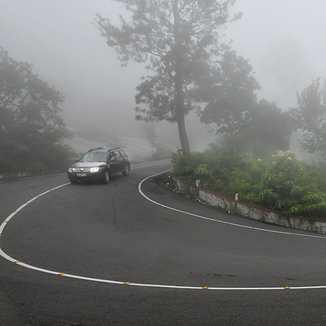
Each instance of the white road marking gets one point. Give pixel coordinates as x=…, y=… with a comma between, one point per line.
x=220, y=221
x=180, y=287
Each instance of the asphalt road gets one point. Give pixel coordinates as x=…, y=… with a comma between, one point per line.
x=93, y=254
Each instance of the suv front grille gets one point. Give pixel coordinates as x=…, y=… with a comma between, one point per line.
x=81, y=169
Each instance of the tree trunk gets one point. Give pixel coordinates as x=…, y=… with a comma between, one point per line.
x=183, y=135
x=178, y=81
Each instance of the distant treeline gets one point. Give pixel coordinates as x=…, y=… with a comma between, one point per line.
x=31, y=128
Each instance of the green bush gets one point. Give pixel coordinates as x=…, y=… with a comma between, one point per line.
x=212, y=168
x=279, y=182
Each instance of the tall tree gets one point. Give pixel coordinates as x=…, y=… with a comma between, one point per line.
x=310, y=116
x=268, y=129
x=172, y=37
x=229, y=94
x=31, y=127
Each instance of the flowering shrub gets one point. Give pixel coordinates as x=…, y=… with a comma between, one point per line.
x=280, y=182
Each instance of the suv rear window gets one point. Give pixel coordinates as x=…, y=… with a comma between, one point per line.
x=123, y=153
x=117, y=154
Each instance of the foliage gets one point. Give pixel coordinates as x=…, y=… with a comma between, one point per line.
x=229, y=95
x=310, y=116
x=267, y=129
x=177, y=39
x=279, y=182
x=31, y=128
x=232, y=111
x=211, y=167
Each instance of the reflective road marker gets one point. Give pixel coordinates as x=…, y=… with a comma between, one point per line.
x=180, y=287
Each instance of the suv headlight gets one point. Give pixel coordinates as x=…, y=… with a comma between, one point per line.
x=71, y=170
x=94, y=170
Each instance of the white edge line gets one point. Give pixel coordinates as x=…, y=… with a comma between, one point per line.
x=7, y=257
x=217, y=220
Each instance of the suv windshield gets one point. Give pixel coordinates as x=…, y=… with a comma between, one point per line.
x=94, y=157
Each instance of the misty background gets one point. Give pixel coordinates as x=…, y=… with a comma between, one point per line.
x=283, y=41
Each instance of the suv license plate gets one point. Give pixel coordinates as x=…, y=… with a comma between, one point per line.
x=81, y=174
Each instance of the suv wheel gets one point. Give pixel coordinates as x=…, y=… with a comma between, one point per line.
x=126, y=170
x=106, y=178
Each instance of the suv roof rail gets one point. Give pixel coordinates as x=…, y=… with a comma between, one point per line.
x=95, y=148
x=111, y=149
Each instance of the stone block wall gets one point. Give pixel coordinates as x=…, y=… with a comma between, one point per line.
x=237, y=207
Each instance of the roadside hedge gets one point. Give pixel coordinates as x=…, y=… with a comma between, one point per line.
x=281, y=181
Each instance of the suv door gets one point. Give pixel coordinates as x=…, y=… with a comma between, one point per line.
x=113, y=163
x=120, y=161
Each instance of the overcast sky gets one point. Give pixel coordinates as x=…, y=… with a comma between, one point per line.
x=283, y=40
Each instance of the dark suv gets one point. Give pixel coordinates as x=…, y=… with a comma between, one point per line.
x=98, y=164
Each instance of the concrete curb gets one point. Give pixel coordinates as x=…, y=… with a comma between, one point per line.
x=12, y=176
x=237, y=207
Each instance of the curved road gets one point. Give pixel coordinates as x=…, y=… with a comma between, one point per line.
x=135, y=253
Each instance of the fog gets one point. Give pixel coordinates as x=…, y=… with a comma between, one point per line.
x=283, y=40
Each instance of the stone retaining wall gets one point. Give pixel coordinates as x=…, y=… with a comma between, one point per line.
x=237, y=207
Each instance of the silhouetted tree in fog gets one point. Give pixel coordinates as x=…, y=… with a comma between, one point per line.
x=175, y=38
x=31, y=128
x=228, y=92
x=267, y=130
x=310, y=116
